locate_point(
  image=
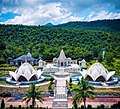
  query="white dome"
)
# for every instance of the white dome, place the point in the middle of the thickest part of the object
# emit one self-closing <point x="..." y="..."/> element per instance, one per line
<point x="25" y="73"/>
<point x="97" y="72"/>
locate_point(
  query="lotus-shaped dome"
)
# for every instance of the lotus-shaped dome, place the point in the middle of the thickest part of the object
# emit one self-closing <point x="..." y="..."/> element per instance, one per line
<point x="25" y="73"/>
<point x="97" y="72"/>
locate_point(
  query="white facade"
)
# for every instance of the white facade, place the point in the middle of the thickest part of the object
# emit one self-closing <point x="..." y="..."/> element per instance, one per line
<point x="62" y="61"/>
<point x="97" y="72"/>
<point x="68" y="64"/>
<point x="25" y="73"/>
<point x="41" y="63"/>
<point x="82" y="63"/>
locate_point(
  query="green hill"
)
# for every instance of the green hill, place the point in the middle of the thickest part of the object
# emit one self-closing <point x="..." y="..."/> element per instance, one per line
<point x="103" y="25"/>
<point x="46" y="42"/>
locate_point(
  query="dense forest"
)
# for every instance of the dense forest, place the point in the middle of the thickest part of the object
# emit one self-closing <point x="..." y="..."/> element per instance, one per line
<point x="78" y="39"/>
<point x="103" y="25"/>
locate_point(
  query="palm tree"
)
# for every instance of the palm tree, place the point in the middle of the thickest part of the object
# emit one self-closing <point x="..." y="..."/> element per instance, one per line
<point x="82" y="91"/>
<point x="33" y="93"/>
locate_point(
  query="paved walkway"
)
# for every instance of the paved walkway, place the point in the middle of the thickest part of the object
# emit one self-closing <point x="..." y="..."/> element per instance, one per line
<point x="22" y="86"/>
<point x="60" y="98"/>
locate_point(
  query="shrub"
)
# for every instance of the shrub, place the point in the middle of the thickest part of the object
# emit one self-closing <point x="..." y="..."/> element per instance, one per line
<point x="89" y="107"/>
<point x="82" y="107"/>
<point x="98" y="107"/>
<point x="102" y="106"/>
<point x="11" y="107"/>
<point x="19" y="107"/>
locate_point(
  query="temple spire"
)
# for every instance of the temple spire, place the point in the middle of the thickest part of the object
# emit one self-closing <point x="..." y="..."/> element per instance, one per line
<point x="62" y="55"/>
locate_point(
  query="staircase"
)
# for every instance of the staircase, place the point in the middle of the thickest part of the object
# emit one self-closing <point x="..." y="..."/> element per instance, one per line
<point x="60" y="99"/>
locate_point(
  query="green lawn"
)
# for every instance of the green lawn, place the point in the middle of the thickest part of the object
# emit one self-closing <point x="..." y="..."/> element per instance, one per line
<point x="43" y="88"/>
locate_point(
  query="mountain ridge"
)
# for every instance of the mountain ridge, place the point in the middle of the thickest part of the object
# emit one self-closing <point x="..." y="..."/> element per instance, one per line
<point x="104" y="25"/>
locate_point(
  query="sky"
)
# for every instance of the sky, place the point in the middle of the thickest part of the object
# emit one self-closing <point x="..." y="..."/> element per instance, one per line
<point x="40" y="12"/>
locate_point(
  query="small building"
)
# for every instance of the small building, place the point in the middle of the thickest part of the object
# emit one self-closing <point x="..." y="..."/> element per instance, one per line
<point x="18" y="61"/>
<point x="83" y="64"/>
<point x="41" y="64"/>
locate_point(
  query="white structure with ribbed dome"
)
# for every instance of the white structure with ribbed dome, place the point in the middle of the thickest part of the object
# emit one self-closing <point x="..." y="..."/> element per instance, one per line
<point x="25" y="73"/>
<point x="97" y="72"/>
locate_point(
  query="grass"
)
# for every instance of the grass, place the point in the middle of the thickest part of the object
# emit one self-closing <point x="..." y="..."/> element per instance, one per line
<point x="5" y="70"/>
<point x="3" y="81"/>
<point x="43" y="88"/>
<point x="3" y="73"/>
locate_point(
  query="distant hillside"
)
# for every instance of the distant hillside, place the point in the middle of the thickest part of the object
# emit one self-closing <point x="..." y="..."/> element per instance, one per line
<point x="46" y="42"/>
<point x="103" y="25"/>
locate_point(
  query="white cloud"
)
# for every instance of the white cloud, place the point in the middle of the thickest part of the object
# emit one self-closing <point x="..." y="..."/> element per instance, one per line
<point x="102" y="15"/>
<point x="52" y="12"/>
<point x="39" y="12"/>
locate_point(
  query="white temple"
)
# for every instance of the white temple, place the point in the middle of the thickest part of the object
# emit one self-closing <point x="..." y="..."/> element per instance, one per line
<point x="61" y="64"/>
<point x="25" y="73"/>
<point x="62" y="61"/>
<point x="97" y="72"/>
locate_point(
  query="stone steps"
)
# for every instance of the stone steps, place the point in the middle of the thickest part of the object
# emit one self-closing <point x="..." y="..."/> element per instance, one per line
<point x="60" y="104"/>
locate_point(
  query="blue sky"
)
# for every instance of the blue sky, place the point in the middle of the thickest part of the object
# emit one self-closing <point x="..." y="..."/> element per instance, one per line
<point x="39" y="12"/>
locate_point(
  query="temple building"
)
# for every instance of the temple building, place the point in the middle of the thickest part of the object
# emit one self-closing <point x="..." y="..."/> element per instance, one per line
<point x="25" y="73"/>
<point x="62" y="63"/>
<point x="97" y="72"/>
<point x="20" y="60"/>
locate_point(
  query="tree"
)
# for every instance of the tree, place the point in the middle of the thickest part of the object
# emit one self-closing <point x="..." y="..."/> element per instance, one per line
<point x="33" y="93"/>
<point x="82" y="91"/>
<point x="109" y="58"/>
<point x="100" y="57"/>
<point x="2" y="104"/>
<point x="75" y="104"/>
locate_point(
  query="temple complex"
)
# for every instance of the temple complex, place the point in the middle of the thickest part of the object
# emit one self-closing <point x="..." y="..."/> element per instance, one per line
<point x="62" y="63"/>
